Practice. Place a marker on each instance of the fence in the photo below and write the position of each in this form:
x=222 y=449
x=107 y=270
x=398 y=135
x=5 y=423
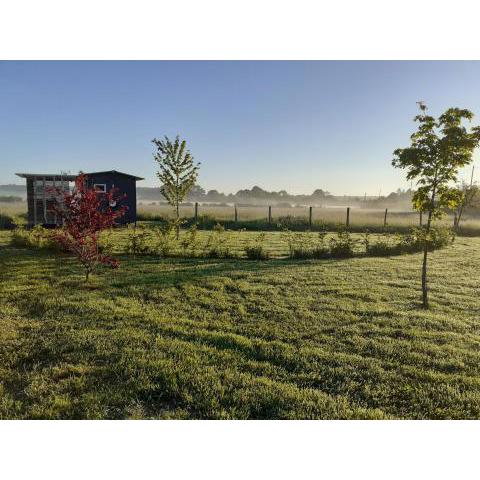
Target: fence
x=271 y=214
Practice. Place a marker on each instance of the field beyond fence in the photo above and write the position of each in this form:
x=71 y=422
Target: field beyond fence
x=298 y=218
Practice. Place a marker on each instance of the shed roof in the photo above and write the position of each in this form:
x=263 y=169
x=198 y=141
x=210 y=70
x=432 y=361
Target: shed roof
x=116 y=172
x=71 y=178
x=48 y=176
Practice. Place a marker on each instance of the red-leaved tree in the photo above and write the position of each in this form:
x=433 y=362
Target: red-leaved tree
x=85 y=213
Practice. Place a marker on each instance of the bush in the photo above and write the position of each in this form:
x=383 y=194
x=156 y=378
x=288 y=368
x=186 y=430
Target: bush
x=38 y=238
x=303 y=245
x=189 y=242
x=343 y=245
x=217 y=244
x=382 y=248
x=164 y=240
x=255 y=250
x=412 y=242
x=6 y=222
x=138 y=241
x=441 y=237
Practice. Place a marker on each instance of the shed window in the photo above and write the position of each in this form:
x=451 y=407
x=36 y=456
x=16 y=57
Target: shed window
x=100 y=187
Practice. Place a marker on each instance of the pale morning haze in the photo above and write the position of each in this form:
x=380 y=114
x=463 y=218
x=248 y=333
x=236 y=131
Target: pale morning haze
x=289 y=125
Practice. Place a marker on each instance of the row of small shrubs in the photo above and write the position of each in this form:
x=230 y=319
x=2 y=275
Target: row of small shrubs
x=161 y=240
x=304 y=245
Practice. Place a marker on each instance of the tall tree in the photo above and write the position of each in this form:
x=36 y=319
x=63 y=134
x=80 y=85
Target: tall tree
x=177 y=172
x=438 y=149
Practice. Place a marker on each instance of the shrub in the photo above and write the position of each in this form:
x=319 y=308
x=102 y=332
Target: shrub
x=164 y=238
x=441 y=237
x=303 y=245
x=412 y=242
x=217 y=244
x=381 y=248
x=255 y=250
x=106 y=242
x=189 y=242
x=320 y=249
x=138 y=241
x=343 y=245
x=37 y=238
x=6 y=222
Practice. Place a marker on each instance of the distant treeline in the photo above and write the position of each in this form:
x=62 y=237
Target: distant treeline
x=259 y=196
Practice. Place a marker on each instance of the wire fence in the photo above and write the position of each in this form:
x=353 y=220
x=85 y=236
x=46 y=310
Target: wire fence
x=349 y=216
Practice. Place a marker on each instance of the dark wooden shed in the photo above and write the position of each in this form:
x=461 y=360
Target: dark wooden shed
x=41 y=199
x=125 y=185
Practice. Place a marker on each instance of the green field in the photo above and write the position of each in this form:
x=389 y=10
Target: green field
x=173 y=338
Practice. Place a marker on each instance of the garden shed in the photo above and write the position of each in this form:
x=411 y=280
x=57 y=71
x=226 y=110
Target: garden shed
x=41 y=196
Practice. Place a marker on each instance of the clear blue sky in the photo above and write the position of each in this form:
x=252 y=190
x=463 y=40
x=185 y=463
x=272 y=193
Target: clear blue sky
x=280 y=125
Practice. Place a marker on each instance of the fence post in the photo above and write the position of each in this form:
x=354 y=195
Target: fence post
x=236 y=213
x=421 y=223
x=269 y=214
x=385 y=218
x=196 y=212
x=310 y=216
x=348 y=217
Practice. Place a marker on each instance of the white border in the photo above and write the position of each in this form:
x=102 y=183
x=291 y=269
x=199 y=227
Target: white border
x=247 y=29
x=239 y=450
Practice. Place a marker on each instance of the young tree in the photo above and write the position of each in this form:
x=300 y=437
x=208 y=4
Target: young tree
x=85 y=213
x=438 y=149
x=470 y=194
x=177 y=172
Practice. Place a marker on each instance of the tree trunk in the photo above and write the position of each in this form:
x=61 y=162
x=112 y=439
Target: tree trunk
x=459 y=216
x=424 y=266
x=177 y=225
x=424 y=277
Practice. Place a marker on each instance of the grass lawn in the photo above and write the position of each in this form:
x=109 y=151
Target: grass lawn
x=176 y=338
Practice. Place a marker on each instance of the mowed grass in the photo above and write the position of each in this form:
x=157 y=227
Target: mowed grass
x=210 y=338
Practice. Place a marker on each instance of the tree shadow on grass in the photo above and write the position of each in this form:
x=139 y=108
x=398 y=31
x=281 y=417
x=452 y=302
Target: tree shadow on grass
x=62 y=270
x=173 y=271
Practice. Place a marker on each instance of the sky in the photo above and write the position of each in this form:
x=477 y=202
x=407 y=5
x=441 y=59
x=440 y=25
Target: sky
x=282 y=125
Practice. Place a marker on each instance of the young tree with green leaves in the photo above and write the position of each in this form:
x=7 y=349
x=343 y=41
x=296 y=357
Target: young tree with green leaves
x=439 y=148
x=470 y=195
x=177 y=172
